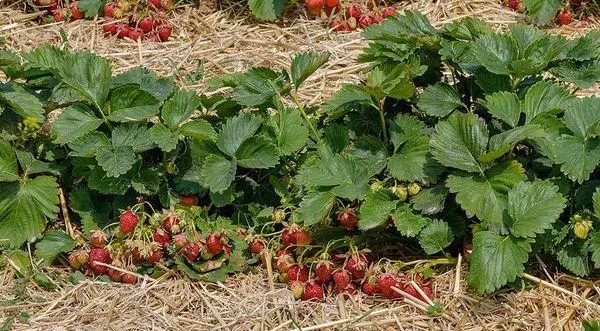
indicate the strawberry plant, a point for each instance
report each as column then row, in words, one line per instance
column 546, row 11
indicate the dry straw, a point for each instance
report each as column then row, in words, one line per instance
column 229, row 41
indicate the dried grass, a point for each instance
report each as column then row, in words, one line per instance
column 228, row 41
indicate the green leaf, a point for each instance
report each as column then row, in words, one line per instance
column 574, row 257
column 115, row 161
column 267, row 10
column 9, row 168
column 495, row 52
column 133, row 135
column 413, row 162
column 545, row 97
column 90, row 7
column 75, row 122
column 163, row 137
column 439, row 100
column 24, row 209
column 533, row 207
column 375, row 210
column 348, row 179
column 289, row 131
column 31, row 166
column 218, row 173
column 257, row 152
column 578, row 157
column 347, row 97
column 594, row 248
column 147, row 182
column 180, row 107
column 496, row 260
column 405, row 127
column 88, row 74
column 430, row 200
column 505, row 141
column 459, row 141
column 98, row 180
column 53, row 243
column 257, row 87
column 583, row 75
column 22, row 102
column 90, row 207
column 408, row 222
column 130, row 104
column 88, row 145
column 314, row 207
column 305, row 64
column 596, row 202
column 504, row 106
column 235, row 131
column 543, row 11
column 159, row 87
column 199, row 129
column 583, row 117
column 435, row 237
column 486, row 197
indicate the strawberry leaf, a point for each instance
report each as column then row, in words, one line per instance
column 257, row 152
column 430, row 200
column 163, row 137
column 218, row 173
column 495, row 52
column 159, row 87
column 100, row 181
column 235, row 131
column 91, row 8
column 88, row 74
column 75, row 122
column 545, row 97
column 343, row 100
column 9, row 168
column 314, row 207
column 376, row 209
column 413, row 162
column 267, row 10
column 594, row 248
column 133, row 135
column 505, row 141
column 583, row 117
column 439, row 100
column 180, row 107
column 115, row 161
column 496, row 260
column 130, row 104
column 583, row 75
column 574, row 257
column 199, row 129
column 305, row 64
column 578, row 157
column 533, row 207
column 408, row 222
column 288, row 131
column 543, row 11
column 90, row 207
column 31, row 166
column 88, row 145
column 504, row 106
column 435, row 237
column 405, row 127
column 53, row 243
column 459, row 141
column 146, row 182
column 24, row 208
column 486, row 196
column 22, row 102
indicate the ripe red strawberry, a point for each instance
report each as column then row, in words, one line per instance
column 386, row 281
column 314, row 6
column 52, row 6
column 156, row 4
column 332, row 6
column 427, row 292
column 323, row 271
column 110, row 29
column 128, row 278
column 298, row 272
column 514, row 4
column 288, row 236
column 302, row 237
column 161, row 236
column 146, row 24
column 284, row 262
column 350, row 289
column 155, row 256
column 164, row 33
column 341, row 278
column 136, row 255
column 214, row 243
column 226, row 249
column 357, row 265
column 337, row 25
column 115, row 275
column 378, row 18
column 190, row 252
column 338, row 256
column 171, row 223
column 109, row 10
column 564, row 17
column 354, row 11
column 313, row 291
column 366, row 20
column 256, row 246
column 575, row 2
column 410, row 290
column 286, row 251
column 76, row 14
column 98, row 239
column 297, row 289
column 135, row 34
column 370, row 286
column 59, row 15
column 128, row 220
column 185, row 200
column 179, row 240
column 389, row 11
column 348, row 218
column 78, row 258
column 98, row 255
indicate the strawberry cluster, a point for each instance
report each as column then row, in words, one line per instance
column 563, row 17
column 349, row 18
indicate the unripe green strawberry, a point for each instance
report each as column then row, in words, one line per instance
column 376, row 186
column 78, row 258
column 297, row 289
column 582, row 228
column 400, row 192
column 279, row 215
column 414, row 188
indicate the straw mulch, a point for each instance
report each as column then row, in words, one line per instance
column 228, row 41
